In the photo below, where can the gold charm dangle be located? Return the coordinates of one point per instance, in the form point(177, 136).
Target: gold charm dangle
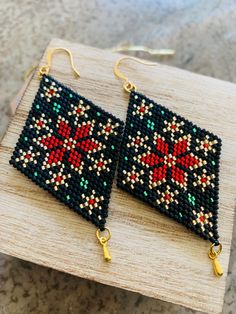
point(103, 241)
point(213, 254)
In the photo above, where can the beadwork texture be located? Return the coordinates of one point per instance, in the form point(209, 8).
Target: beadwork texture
point(171, 164)
point(68, 147)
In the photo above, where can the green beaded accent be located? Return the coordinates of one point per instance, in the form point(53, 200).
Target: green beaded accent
point(162, 112)
point(56, 107)
point(145, 193)
point(191, 199)
point(104, 183)
point(35, 173)
point(213, 162)
point(112, 147)
point(26, 138)
point(84, 183)
point(131, 124)
point(71, 95)
point(126, 158)
point(151, 125)
point(98, 114)
point(37, 106)
point(68, 197)
point(194, 130)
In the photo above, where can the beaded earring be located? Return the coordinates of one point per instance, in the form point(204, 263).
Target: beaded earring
point(67, 147)
point(171, 164)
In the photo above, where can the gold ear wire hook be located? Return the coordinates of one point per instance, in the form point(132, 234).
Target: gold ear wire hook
point(44, 69)
point(128, 86)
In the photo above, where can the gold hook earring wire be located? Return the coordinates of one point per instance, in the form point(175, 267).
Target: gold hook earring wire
point(44, 69)
point(127, 85)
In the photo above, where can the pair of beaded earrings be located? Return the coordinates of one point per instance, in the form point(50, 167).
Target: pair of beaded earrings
point(69, 146)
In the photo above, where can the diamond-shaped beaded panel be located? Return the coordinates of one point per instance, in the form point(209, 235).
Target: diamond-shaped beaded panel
point(171, 164)
point(68, 147)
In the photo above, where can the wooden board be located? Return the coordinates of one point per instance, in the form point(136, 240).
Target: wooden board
point(152, 254)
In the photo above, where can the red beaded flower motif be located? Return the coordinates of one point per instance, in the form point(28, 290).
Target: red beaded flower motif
point(163, 158)
point(76, 145)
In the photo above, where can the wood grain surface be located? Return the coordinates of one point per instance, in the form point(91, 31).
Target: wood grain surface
point(151, 254)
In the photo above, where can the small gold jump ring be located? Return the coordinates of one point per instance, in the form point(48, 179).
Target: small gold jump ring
point(129, 87)
point(44, 70)
point(214, 253)
point(103, 239)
